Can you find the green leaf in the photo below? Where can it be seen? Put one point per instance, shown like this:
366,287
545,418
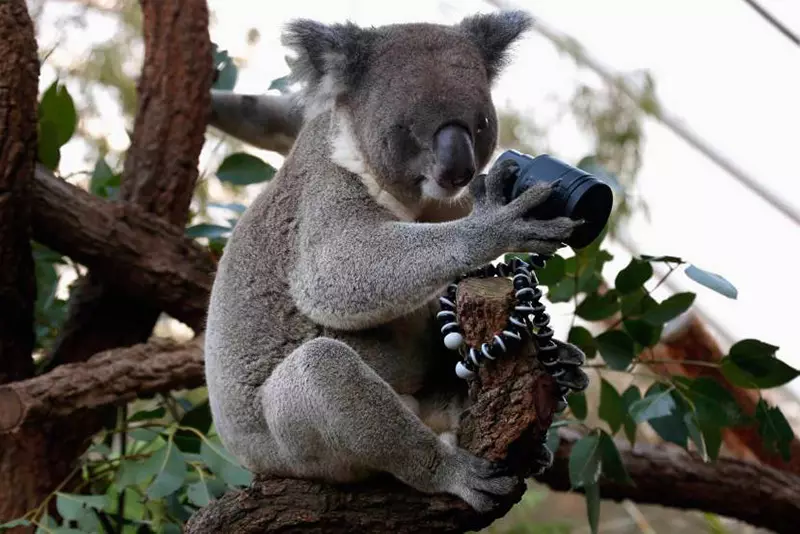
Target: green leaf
199,494
593,506
616,348
712,281
713,403
171,475
104,183
199,418
695,434
584,461
633,276
645,334
669,308
656,403
72,506
752,364
712,437
577,405
230,206
222,464
57,108
774,429
553,440
553,271
280,84
612,407
207,230
596,307
636,303
670,427
244,169
227,72
146,434
48,151
583,339
146,415
630,396
611,461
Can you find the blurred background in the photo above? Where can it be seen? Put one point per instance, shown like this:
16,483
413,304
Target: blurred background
704,155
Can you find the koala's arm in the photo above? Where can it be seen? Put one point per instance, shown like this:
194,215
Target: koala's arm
358,269
270,122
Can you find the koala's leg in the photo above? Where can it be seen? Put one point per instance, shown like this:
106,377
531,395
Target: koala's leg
334,418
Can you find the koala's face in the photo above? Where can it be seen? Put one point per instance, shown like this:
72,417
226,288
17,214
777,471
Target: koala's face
415,98
423,111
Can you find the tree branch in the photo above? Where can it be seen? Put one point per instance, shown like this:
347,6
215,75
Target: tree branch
669,476
143,257
270,122
113,377
160,167
19,80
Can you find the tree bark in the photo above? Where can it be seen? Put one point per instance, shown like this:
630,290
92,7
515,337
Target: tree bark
159,176
160,167
111,378
142,257
19,80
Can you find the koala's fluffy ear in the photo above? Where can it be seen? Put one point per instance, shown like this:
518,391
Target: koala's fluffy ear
494,33
329,58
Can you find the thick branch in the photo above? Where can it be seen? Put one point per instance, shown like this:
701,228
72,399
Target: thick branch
114,377
270,122
670,476
141,256
19,79
160,167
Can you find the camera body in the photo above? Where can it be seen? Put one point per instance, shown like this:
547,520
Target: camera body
578,195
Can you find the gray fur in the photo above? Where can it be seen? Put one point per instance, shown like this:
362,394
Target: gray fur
322,311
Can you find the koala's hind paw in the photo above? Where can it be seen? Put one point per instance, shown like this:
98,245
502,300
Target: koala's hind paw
483,484
542,459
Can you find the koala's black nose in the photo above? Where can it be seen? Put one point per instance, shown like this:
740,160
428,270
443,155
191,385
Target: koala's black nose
455,156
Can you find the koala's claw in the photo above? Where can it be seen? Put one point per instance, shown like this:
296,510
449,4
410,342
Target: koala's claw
542,459
484,484
573,378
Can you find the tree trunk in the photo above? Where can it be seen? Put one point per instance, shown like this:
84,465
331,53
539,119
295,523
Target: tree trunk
19,81
159,176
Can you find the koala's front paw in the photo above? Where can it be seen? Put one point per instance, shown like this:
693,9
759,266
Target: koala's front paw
508,221
480,483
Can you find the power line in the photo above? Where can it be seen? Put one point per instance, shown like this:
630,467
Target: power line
774,21
673,123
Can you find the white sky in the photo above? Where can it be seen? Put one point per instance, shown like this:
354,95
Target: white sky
733,78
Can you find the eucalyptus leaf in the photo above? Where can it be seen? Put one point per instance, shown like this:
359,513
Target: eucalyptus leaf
633,276
73,506
695,434
774,429
636,303
644,333
593,506
661,259
227,72
280,84
552,272
199,494
612,407
752,364
670,427
630,396
656,403
199,418
147,415
612,465
57,108
104,182
48,151
616,348
713,403
14,523
597,307
585,461
669,308
712,281
577,405
171,474
583,339
244,169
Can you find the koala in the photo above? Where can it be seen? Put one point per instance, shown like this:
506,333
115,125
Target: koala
323,356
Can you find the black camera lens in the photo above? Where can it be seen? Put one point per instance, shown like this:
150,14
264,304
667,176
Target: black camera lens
578,195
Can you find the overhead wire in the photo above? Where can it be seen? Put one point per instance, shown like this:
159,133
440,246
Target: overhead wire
776,23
